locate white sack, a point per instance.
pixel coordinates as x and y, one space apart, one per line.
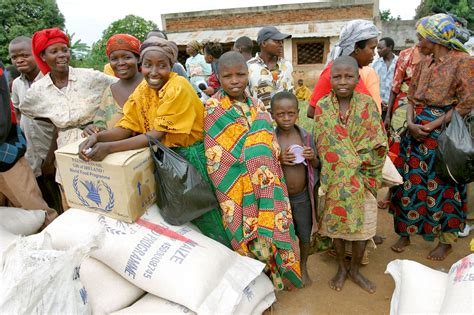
6 238
35 279
418 289
264 304
254 294
20 221
459 296
107 290
173 262
390 175
150 304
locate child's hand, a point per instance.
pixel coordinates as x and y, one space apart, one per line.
86 147
308 153
286 157
90 130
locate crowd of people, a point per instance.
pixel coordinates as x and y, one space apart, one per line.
233 116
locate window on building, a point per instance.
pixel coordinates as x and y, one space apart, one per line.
309 53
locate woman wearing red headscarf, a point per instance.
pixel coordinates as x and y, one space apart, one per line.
68 97
123 51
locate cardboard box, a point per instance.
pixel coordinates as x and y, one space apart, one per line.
122 186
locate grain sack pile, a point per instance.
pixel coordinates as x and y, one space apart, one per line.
422 290
171 264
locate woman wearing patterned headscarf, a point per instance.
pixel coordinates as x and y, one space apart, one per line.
67 97
123 51
165 107
358 39
442 82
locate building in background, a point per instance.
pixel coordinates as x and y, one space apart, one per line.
315 28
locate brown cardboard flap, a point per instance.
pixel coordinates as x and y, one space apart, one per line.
119 158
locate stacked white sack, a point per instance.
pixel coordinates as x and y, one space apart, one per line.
107 291
174 263
15 222
258 296
459 296
418 289
422 290
36 279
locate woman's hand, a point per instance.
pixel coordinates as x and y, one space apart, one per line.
287 158
419 132
86 147
99 151
90 130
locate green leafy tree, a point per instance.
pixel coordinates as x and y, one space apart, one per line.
461 8
131 24
386 15
79 50
23 18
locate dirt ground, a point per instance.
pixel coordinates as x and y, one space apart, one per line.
320 299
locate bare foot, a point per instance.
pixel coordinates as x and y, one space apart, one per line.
337 282
400 245
440 252
307 282
383 204
362 281
378 239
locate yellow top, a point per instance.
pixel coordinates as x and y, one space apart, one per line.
303 93
175 109
108 70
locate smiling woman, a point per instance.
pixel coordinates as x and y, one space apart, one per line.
65 96
123 51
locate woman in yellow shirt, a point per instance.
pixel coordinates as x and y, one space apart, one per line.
165 107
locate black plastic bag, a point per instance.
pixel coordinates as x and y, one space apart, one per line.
182 194
455 153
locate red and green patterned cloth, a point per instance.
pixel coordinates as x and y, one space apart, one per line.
352 155
242 163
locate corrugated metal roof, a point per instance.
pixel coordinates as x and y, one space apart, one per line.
322 29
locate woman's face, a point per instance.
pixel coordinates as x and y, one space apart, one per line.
426 47
208 58
156 69
366 55
124 63
57 57
190 51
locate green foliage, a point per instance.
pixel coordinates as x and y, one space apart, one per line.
23 18
131 24
79 50
386 15
461 8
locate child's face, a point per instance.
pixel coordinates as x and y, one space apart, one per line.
285 113
344 79
234 80
156 69
22 57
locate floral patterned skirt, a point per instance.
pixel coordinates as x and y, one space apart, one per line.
369 226
424 204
